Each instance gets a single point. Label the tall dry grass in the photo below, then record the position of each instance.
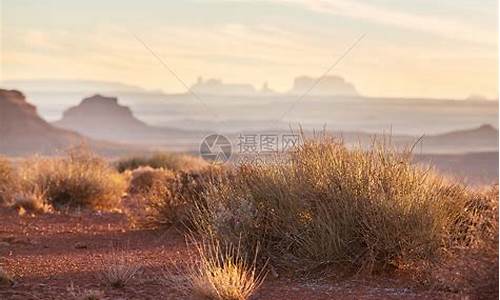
(9, 181)
(219, 272)
(171, 198)
(79, 179)
(331, 206)
(473, 270)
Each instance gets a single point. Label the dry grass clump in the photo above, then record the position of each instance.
(162, 160)
(79, 179)
(172, 200)
(473, 270)
(9, 182)
(119, 272)
(221, 273)
(5, 278)
(85, 294)
(144, 178)
(331, 206)
(33, 201)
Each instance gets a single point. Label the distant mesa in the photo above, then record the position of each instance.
(477, 97)
(23, 131)
(483, 132)
(328, 85)
(217, 87)
(101, 117)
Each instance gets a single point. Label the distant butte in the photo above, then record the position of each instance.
(22, 130)
(328, 85)
(102, 117)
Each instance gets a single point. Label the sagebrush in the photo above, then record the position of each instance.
(79, 179)
(221, 272)
(171, 199)
(9, 181)
(333, 206)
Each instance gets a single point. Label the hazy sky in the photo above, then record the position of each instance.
(416, 48)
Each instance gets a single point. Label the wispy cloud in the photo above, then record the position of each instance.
(443, 26)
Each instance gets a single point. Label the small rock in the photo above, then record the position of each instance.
(80, 245)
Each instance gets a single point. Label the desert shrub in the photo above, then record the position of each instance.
(9, 183)
(5, 278)
(331, 206)
(119, 274)
(144, 178)
(118, 269)
(79, 179)
(473, 270)
(172, 200)
(220, 272)
(33, 201)
(84, 294)
(162, 160)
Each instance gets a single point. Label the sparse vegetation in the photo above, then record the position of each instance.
(33, 201)
(145, 178)
(330, 206)
(79, 179)
(325, 207)
(473, 270)
(5, 278)
(222, 273)
(119, 272)
(173, 199)
(8, 181)
(85, 294)
(162, 160)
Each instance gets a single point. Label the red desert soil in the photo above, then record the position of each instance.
(49, 253)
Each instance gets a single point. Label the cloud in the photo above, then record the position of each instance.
(445, 27)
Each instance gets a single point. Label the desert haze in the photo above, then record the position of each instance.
(249, 150)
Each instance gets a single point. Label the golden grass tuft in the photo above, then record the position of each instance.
(5, 278)
(9, 181)
(329, 206)
(33, 201)
(79, 179)
(473, 270)
(118, 270)
(85, 294)
(172, 198)
(222, 273)
(145, 178)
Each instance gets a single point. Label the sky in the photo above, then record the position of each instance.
(422, 48)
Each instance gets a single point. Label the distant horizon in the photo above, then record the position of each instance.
(445, 50)
(469, 97)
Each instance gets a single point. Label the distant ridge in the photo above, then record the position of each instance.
(100, 114)
(102, 117)
(73, 86)
(24, 132)
(482, 138)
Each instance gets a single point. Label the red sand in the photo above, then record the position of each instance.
(47, 253)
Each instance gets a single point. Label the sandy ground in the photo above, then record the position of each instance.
(53, 256)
